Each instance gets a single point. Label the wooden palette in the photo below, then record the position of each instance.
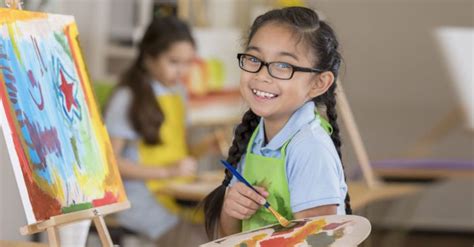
(334, 231)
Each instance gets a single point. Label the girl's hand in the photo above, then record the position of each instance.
(241, 202)
(186, 167)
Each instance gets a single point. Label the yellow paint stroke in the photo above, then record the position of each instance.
(11, 33)
(11, 15)
(112, 181)
(89, 184)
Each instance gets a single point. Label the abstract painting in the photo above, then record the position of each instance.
(58, 145)
(324, 231)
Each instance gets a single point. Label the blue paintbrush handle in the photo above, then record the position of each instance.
(240, 178)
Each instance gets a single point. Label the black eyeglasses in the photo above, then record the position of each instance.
(279, 70)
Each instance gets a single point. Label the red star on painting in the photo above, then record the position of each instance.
(67, 89)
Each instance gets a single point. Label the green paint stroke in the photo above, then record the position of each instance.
(321, 239)
(280, 207)
(62, 41)
(90, 154)
(76, 207)
(76, 152)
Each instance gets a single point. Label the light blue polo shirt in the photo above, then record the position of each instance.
(313, 169)
(146, 216)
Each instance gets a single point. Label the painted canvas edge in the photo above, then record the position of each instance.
(15, 164)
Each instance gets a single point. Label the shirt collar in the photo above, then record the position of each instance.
(298, 119)
(160, 89)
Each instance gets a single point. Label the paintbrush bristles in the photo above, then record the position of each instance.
(282, 220)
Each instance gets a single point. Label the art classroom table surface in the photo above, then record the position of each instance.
(424, 169)
(216, 109)
(361, 194)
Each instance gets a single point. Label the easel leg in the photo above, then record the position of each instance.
(53, 237)
(103, 231)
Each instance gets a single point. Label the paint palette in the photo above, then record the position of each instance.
(333, 230)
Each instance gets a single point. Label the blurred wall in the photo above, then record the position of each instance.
(399, 87)
(395, 78)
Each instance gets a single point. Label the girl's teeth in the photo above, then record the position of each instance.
(263, 94)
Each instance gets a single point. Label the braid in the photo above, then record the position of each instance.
(242, 135)
(330, 102)
(326, 45)
(214, 201)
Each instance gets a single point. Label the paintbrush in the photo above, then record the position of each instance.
(282, 220)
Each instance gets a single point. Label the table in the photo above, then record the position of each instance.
(424, 169)
(361, 194)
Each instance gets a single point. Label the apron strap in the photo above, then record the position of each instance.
(324, 123)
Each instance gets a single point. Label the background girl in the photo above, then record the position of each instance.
(146, 119)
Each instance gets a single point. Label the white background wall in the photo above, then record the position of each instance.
(12, 216)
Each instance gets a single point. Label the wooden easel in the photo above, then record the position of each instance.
(14, 4)
(372, 189)
(95, 214)
(354, 135)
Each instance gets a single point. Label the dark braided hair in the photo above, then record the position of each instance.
(321, 38)
(214, 201)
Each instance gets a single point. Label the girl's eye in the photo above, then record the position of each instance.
(282, 65)
(253, 59)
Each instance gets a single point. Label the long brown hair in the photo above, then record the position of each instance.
(320, 36)
(145, 113)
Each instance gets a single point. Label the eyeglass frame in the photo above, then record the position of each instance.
(267, 64)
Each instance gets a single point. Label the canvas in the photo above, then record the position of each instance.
(58, 145)
(324, 231)
(457, 46)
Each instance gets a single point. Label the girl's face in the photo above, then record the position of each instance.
(170, 66)
(271, 98)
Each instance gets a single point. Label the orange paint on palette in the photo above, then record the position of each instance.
(296, 238)
(253, 241)
(333, 226)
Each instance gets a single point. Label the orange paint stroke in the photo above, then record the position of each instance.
(108, 198)
(10, 15)
(296, 238)
(253, 241)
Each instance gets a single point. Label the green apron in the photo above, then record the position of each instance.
(270, 173)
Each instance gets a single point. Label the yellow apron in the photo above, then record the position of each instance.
(172, 149)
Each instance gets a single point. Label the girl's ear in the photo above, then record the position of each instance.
(321, 84)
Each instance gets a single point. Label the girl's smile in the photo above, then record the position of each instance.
(262, 95)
